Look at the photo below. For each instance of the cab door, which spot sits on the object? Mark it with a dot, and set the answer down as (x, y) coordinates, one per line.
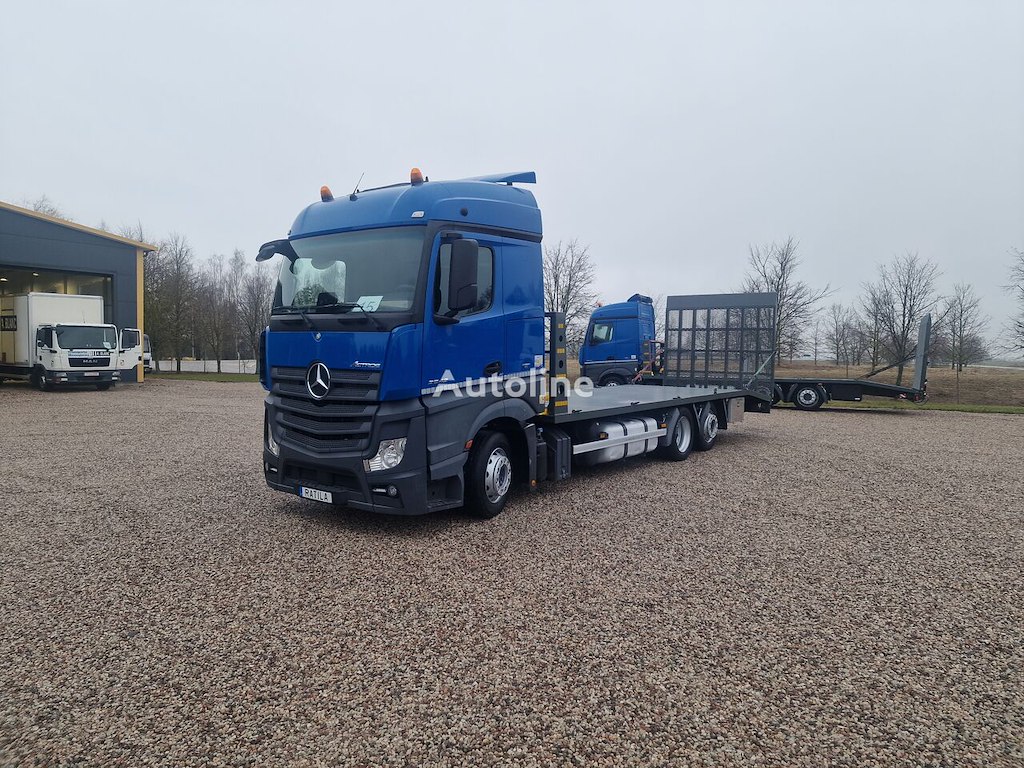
(129, 352)
(468, 344)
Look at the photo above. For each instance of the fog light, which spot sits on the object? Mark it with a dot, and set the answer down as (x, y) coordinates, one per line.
(272, 445)
(392, 491)
(389, 455)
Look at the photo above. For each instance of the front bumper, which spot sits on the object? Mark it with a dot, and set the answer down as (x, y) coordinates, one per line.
(82, 377)
(400, 491)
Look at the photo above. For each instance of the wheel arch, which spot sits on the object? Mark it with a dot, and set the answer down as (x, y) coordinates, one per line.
(509, 417)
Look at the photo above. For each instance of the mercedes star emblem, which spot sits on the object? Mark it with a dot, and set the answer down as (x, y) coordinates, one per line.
(318, 381)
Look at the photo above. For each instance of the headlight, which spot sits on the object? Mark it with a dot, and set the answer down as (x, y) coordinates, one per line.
(272, 445)
(389, 455)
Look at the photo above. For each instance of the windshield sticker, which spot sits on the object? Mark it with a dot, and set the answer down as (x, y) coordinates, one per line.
(369, 303)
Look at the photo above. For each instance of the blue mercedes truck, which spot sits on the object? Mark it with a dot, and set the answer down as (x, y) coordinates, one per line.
(410, 365)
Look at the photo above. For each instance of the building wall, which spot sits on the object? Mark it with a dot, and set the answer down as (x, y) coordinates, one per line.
(27, 242)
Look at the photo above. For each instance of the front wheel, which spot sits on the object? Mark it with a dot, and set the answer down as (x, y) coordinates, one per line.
(808, 397)
(612, 380)
(39, 380)
(103, 387)
(488, 474)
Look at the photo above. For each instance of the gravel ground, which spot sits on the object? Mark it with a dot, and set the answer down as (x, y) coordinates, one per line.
(837, 588)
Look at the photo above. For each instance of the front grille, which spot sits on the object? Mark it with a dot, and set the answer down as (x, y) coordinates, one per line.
(89, 362)
(318, 476)
(341, 421)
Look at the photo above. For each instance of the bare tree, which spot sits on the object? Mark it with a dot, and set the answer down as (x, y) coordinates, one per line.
(176, 293)
(47, 207)
(658, 306)
(772, 268)
(837, 332)
(568, 288)
(904, 291)
(965, 325)
(817, 337)
(871, 327)
(255, 295)
(1015, 330)
(217, 314)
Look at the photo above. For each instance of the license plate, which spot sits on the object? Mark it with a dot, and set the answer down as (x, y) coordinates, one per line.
(91, 373)
(315, 495)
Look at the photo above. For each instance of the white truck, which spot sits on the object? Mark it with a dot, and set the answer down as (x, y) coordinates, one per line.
(59, 339)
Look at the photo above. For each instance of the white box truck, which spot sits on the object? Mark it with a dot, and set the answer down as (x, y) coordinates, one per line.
(58, 339)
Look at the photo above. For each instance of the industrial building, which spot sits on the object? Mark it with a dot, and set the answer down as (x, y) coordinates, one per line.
(43, 253)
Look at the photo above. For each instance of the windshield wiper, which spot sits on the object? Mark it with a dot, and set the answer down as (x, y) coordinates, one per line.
(348, 306)
(293, 311)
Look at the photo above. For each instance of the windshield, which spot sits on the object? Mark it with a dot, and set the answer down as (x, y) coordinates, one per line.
(86, 337)
(375, 270)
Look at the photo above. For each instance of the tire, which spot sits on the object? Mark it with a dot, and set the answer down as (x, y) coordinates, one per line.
(707, 429)
(612, 380)
(808, 397)
(103, 387)
(776, 395)
(489, 474)
(683, 434)
(39, 381)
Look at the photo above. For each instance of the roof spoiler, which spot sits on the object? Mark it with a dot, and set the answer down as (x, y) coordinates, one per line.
(520, 177)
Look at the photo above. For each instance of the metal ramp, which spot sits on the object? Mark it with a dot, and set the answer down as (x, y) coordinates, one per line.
(721, 340)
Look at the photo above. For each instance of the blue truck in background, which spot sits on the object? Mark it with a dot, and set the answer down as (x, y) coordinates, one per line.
(410, 365)
(617, 337)
(620, 346)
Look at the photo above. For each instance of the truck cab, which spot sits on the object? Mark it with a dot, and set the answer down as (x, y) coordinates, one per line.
(617, 334)
(390, 304)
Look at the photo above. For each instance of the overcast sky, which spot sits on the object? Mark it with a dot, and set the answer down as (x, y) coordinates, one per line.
(668, 136)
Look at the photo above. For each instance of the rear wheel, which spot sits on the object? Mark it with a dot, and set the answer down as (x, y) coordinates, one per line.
(707, 430)
(488, 474)
(808, 397)
(681, 442)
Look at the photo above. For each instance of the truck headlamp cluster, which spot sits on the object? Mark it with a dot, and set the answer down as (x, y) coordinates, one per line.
(272, 445)
(389, 455)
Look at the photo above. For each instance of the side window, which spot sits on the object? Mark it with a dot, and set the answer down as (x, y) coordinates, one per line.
(484, 283)
(601, 333)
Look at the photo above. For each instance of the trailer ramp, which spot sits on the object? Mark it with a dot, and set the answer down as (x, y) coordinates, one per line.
(722, 340)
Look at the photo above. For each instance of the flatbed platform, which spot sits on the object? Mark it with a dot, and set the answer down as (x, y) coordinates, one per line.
(852, 389)
(635, 398)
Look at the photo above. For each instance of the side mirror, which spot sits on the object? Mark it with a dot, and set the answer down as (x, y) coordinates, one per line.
(274, 247)
(462, 277)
